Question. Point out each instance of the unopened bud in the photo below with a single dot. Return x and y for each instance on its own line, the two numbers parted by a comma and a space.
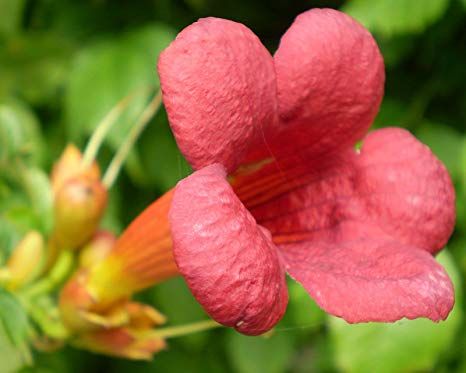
69, 166
25, 261
79, 206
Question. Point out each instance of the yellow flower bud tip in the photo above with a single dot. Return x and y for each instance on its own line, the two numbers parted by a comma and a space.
136, 344
96, 249
78, 208
25, 261
70, 165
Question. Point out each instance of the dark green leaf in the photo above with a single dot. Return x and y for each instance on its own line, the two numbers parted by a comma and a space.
445, 142
161, 160
392, 113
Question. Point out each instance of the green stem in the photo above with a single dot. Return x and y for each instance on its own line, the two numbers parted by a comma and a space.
122, 153
57, 274
103, 127
178, 331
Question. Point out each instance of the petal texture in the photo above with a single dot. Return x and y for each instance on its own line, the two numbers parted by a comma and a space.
330, 78
394, 188
357, 229
372, 280
229, 262
406, 189
219, 89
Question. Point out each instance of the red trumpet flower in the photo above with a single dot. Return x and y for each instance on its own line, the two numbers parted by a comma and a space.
356, 228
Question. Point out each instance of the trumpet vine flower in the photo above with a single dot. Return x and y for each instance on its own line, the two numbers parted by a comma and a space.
357, 228
279, 186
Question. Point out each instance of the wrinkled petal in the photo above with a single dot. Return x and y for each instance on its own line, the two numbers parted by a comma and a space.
372, 280
330, 78
394, 188
229, 262
406, 189
357, 229
219, 89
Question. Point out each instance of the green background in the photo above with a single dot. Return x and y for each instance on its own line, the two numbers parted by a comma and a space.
64, 64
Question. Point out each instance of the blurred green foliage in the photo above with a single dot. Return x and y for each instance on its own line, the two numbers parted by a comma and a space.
65, 63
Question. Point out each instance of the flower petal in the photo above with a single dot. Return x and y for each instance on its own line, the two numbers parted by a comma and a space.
330, 78
394, 188
219, 89
406, 189
228, 261
372, 280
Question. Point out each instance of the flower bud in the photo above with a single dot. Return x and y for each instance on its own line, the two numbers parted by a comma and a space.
79, 206
25, 261
69, 166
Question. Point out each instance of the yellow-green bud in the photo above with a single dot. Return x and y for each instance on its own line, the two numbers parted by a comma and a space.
25, 262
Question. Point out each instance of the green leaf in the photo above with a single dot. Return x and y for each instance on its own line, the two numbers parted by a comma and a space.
12, 359
28, 203
260, 354
35, 66
302, 313
9, 237
20, 137
392, 113
10, 16
395, 49
445, 142
390, 17
174, 299
106, 72
37, 186
161, 159
13, 319
463, 165
404, 346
